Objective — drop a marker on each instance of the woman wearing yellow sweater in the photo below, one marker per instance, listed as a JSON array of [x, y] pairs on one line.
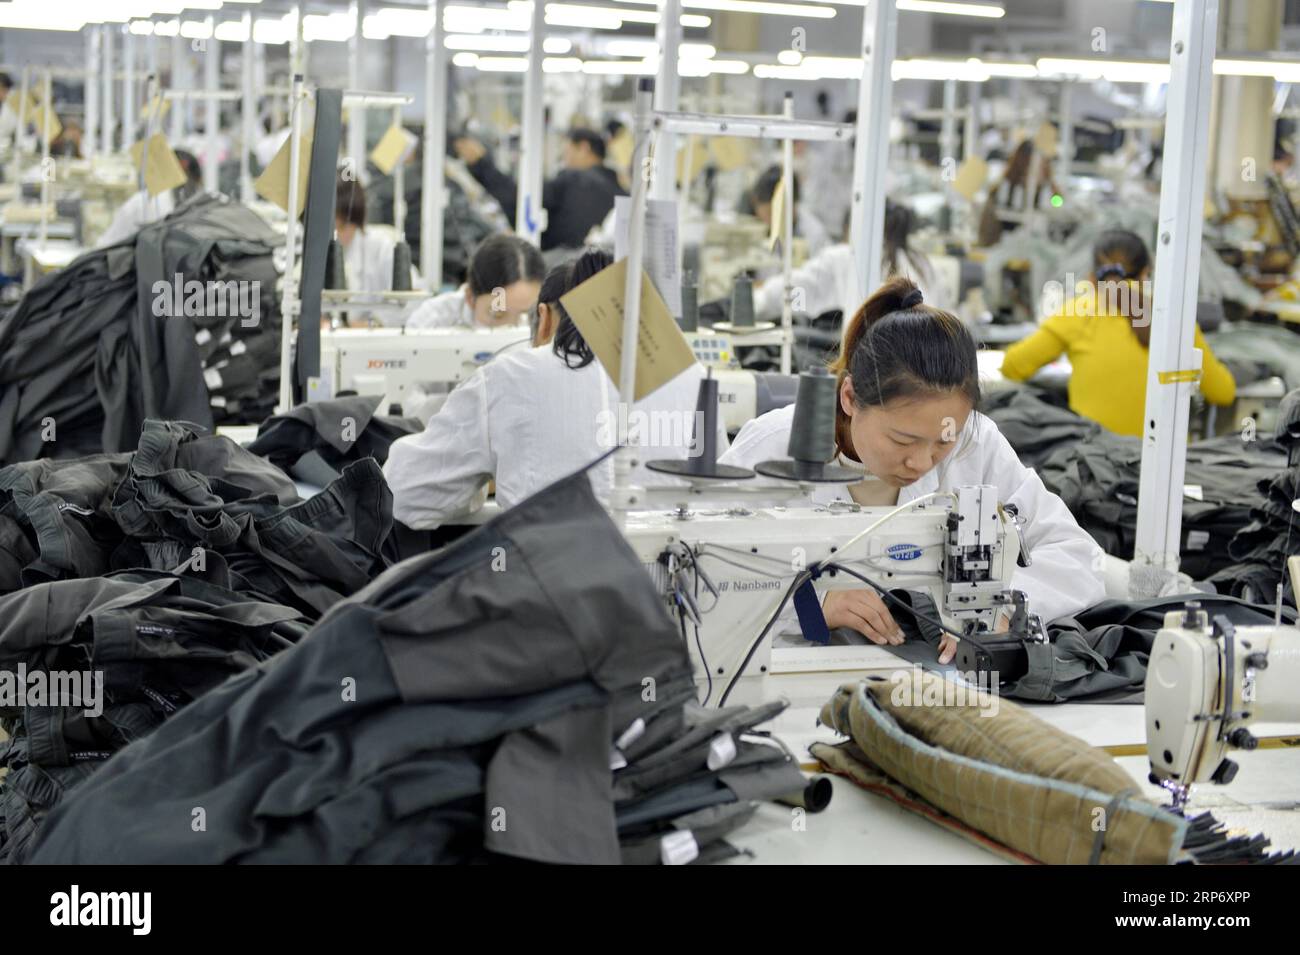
[[1105, 332]]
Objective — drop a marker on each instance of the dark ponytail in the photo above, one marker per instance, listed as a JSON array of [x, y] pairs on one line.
[[1119, 258], [569, 343], [896, 346]]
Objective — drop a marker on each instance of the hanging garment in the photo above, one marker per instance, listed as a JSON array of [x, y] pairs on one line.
[[1258, 552], [463, 706], [157, 643], [1005, 775], [96, 348]]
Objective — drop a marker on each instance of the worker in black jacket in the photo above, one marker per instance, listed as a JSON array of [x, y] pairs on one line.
[[577, 199]]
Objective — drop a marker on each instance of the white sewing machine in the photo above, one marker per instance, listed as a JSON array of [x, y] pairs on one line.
[[726, 571], [393, 362], [1207, 682]]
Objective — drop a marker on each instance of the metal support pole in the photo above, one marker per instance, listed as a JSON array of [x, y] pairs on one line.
[[47, 114], [150, 121], [667, 92], [1066, 143], [1173, 363], [20, 135], [248, 111], [625, 457], [178, 108], [289, 304], [356, 73], [432, 197], [128, 87], [871, 150], [106, 113], [530, 217], [90, 139], [971, 139], [399, 187], [787, 237], [298, 47], [948, 125], [212, 115]]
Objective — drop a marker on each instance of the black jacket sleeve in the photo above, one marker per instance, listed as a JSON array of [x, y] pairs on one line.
[[500, 186]]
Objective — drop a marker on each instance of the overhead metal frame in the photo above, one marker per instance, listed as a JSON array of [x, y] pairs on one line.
[[530, 212], [433, 197], [871, 148]]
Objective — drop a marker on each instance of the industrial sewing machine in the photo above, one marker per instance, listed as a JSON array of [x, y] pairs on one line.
[[1207, 682], [730, 572]]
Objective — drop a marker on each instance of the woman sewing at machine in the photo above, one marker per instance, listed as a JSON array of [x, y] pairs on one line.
[[906, 419], [505, 274], [531, 416], [1106, 334]]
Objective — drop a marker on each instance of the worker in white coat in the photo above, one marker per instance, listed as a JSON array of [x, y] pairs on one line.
[[906, 419], [505, 275], [141, 208], [8, 109], [829, 279], [532, 416], [367, 253]]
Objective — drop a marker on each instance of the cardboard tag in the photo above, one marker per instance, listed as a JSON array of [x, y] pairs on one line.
[[1045, 139], [971, 176], [596, 307], [621, 148], [162, 170], [393, 149], [156, 110], [691, 159], [273, 184]]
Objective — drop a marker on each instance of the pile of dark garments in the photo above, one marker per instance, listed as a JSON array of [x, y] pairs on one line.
[[275, 687], [1095, 472], [179, 322]]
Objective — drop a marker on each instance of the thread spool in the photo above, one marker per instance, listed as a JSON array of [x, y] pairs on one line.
[[742, 302], [690, 320], [335, 273], [812, 434], [401, 267], [703, 459]]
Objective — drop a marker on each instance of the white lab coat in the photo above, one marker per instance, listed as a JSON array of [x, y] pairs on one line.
[[445, 310], [1065, 574], [139, 210], [8, 118], [528, 420], [829, 281], [368, 266]]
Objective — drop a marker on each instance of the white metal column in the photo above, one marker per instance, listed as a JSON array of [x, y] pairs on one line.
[[667, 93], [211, 116], [90, 141], [948, 125], [290, 307], [1065, 154], [432, 192], [1173, 363], [530, 217], [356, 73], [106, 107], [179, 81], [248, 110], [787, 236], [871, 151], [128, 87]]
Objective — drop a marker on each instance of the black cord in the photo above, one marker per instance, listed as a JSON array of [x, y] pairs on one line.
[[895, 600], [698, 645], [799, 581]]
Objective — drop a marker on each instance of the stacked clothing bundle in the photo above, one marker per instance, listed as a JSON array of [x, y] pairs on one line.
[[314, 441], [1259, 550], [467, 705], [199, 505], [96, 664], [179, 323], [1095, 472]]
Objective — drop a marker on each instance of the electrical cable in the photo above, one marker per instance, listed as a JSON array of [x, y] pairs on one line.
[[798, 582], [918, 615]]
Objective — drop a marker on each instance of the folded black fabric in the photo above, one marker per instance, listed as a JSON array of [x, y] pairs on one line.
[[149, 644]]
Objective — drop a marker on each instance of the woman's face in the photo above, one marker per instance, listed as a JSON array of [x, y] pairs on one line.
[[504, 306], [902, 441]]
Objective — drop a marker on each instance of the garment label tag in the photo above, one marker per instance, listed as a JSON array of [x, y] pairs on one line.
[[212, 378], [631, 734], [202, 336], [1194, 491], [721, 751], [616, 760], [1196, 540], [678, 848]]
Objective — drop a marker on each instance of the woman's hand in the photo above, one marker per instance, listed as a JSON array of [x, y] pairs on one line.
[[469, 150], [863, 611], [948, 645]]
